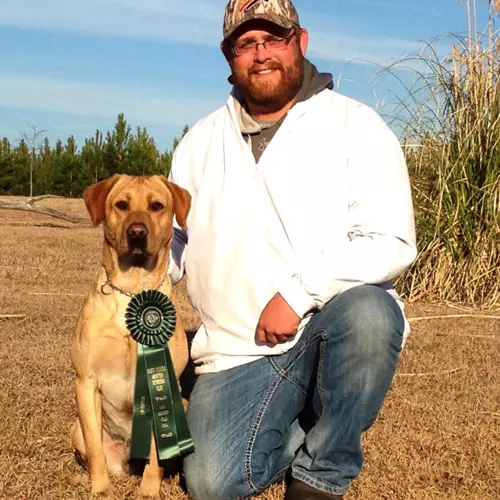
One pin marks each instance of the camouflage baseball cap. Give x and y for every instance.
(280, 12)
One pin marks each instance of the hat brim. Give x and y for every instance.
(279, 21)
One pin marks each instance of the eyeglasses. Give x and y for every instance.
(272, 45)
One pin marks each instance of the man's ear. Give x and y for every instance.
(182, 202)
(95, 199)
(303, 40)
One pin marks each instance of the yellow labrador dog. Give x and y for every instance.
(137, 215)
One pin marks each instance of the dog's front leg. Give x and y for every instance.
(88, 402)
(153, 474)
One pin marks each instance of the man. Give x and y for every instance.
(301, 215)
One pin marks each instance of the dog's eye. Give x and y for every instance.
(156, 206)
(121, 205)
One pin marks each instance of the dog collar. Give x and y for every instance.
(123, 292)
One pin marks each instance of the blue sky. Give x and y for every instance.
(70, 66)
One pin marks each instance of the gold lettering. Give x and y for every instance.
(157, 369)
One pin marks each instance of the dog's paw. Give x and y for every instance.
(80, 478)
(101, 496)
(100, 486)
(149, 489)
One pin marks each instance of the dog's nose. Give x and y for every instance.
(137, 231)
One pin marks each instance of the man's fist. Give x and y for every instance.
(278, 323)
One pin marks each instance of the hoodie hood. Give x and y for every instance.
(258, 133)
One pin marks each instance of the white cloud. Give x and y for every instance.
(360, 49)
(183, 21)
(196, 21)
(100, 100)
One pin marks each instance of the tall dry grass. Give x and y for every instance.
(450, 123)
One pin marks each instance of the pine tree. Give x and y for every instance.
(78, 175)
(115, 147)
(44, 174)
(93, 156)
(142, 156)
(7, 172)
(21, 161)
(58, 177)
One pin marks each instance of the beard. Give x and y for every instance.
(270, 96)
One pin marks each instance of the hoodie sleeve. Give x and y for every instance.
(177, 255)
(380, 244)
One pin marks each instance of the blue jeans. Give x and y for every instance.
(305, 409)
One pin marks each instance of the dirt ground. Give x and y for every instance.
(438, 436)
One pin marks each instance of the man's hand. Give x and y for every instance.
(278, 323)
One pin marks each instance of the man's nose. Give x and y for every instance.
(261, 54)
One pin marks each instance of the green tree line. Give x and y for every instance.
(66, 170)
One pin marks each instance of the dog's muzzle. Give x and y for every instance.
(137, 236)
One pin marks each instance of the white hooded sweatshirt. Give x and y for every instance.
(327, 207)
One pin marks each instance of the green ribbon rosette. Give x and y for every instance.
(150, 317)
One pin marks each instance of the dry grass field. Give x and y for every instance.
(438, 436)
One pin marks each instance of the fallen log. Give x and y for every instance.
(29, 206)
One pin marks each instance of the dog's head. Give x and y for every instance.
(137, 212)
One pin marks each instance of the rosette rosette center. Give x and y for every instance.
(150, 317)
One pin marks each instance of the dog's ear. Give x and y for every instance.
(182, 202)
(95, 199)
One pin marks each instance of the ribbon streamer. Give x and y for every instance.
(158, 408)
